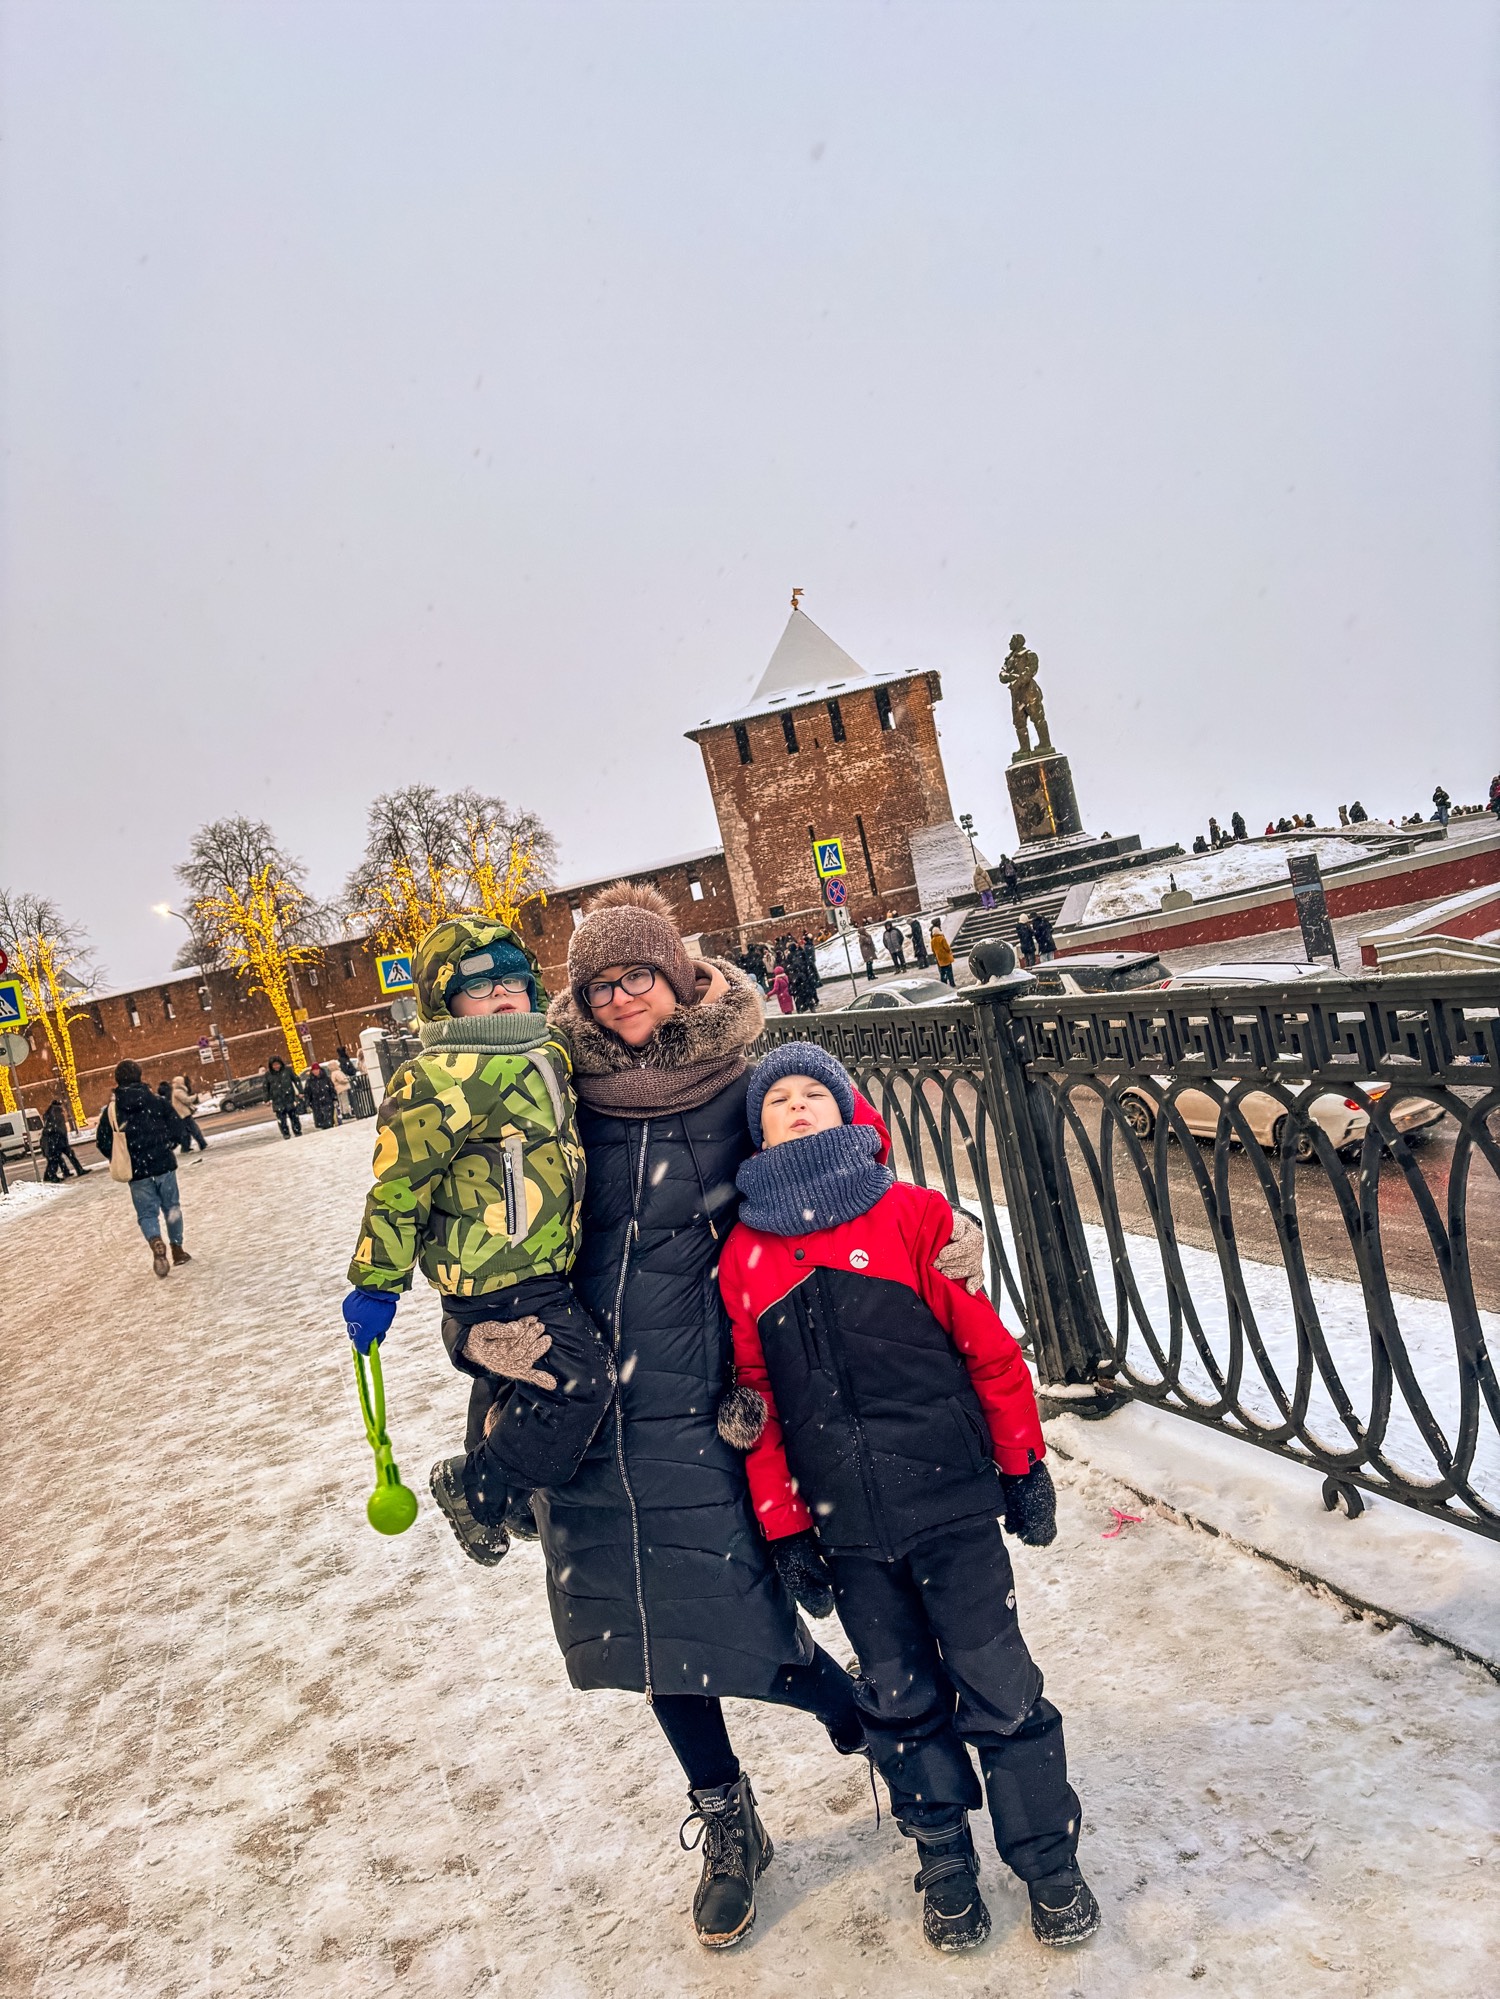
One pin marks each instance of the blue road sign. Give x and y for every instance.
(828, 856)
(12, 1004)
(835, 894)
(394, 972)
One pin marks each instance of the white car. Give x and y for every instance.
(1342, 1118)
(1268, 972)
(897, 992)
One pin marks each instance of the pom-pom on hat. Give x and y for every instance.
(798, 1058)
(630, 924)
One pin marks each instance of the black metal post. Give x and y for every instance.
(1070, 1341)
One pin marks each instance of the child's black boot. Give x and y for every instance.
(954, 1916)
(1063, 1909)
(737, 1850)
(481, 1542)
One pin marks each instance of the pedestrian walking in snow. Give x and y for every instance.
(894, 943)
(867, 952)
(1010, 880)
(1026, 940)
(918, 945)
(286, 1099)
(802, 975)
(942, 953)
(145, 1129)
(57, 1144)
(657, 1578)
(781, 990)
(984, 888)
(478, 1174)
(1041, 930)
(186, 1106)
(342, 1085)
(322, 1099)
(899, 1428)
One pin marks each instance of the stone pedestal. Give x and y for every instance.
(1042, 798)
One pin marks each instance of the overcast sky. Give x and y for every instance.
(456, 393)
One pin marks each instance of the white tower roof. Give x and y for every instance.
(805, 656)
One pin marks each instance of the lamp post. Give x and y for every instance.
(166, 909)
(966, 820)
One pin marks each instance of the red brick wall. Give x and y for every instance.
(888, 781)
(710, 914)
(338, 1006)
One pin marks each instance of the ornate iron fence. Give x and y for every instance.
(1192, 1199)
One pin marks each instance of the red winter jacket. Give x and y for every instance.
(891, 1394)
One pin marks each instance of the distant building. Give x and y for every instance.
(824, 750)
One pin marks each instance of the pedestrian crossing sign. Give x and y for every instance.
(829, 856)
(394, 972)
(12, 1004)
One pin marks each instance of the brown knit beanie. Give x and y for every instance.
(630, 925)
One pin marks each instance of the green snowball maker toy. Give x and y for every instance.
(392, 1506)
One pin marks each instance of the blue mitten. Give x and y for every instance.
(367, 1316)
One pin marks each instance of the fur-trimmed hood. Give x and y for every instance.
(711, 1030)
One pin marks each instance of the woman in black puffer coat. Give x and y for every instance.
(659, 1580)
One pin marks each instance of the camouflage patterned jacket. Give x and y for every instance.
(478, 1168)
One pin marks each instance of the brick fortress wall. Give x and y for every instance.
(869, 790)
(708, 913)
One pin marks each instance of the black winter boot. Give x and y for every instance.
(1063, 1909)
(485, 1545)
(954, 1916)
(737, 1850)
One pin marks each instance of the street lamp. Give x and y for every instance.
(966, 820)
(166, 909)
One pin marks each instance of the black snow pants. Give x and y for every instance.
(540, 1436)
(944, 1668)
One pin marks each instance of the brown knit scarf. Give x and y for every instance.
(695, 1053)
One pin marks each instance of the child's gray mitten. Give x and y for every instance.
(511, 1348)
(798, 1560)
(1030, 1506)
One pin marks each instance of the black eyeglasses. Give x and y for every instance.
(639, 979)
(483, 986)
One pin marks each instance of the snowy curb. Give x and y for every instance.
(1441, 1581)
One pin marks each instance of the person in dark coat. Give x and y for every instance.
(1010, 880)
(895, 943)
(321, 1098)
(1237, 824)
(802, 971)
(286, 1098)
(1025, 940)
(153, 1132)
(1041, 930)
(867, 952)
(57, 1144)
(918, 944)
(658, 1578)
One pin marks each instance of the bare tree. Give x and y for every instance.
(52, 960)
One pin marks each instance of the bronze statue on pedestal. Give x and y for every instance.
(1019, 675)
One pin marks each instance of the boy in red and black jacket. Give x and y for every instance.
(900, 1428)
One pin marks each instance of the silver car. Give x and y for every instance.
(897, 992)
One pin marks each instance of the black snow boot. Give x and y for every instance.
(485, 1545)
(954, 1916)
(1063, 1909)
(737, 1850)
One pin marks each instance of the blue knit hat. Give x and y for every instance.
(497, 961)
(798, 1058)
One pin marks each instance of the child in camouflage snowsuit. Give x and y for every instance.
(479, 1178)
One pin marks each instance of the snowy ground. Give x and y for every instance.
(253, 1748)
(1223, 873)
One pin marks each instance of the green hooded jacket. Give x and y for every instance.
(478, 1168)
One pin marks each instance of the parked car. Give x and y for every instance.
(897, 992)
(1342, 1118)
(14, 1127)
(242, 1092)
(1256, 972)
(1101, 972)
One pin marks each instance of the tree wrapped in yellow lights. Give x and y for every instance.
(430, 854)
(49, 957)
(253, 914)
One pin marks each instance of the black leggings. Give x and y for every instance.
(694, 1723)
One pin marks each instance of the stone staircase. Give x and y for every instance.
(979, 925)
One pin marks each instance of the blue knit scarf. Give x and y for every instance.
(814, 1182)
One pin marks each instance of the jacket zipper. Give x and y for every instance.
(632, 1236)
(856, 1425)
(513, 1155)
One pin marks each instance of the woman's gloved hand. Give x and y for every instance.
(367, 1317)
(1030, 1506)
(961, 1259)
(511, 1348)
(798, 1560)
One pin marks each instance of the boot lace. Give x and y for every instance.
(721, 1836)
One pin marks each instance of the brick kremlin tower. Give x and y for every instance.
(824, 750)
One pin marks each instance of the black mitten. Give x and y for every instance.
(486, 1491)
(1030, 1506)
(798, 1560)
